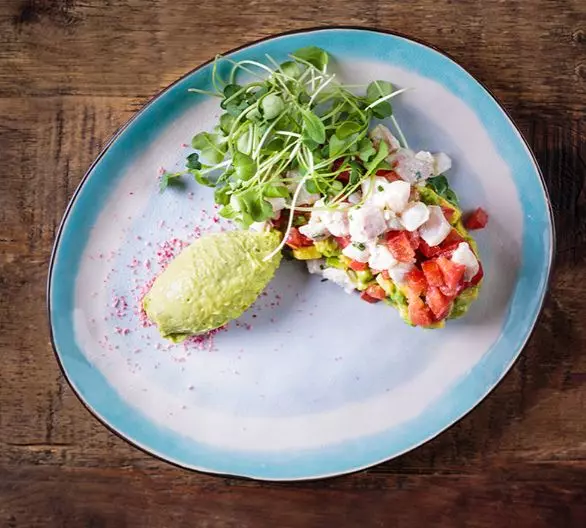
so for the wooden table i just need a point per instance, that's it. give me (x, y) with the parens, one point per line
(71, 72)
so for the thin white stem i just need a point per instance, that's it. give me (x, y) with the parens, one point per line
(320, 88)
(386, 98)
(400, 132)
(290, 222)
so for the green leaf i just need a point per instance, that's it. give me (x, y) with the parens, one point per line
(170, 179)
(309, 143)
(244, 166)
(347, 128)
(266, 211)
(355, 172)
(452, 197)
(274, 145)
(210, 146)
(221, 195)
(338, 146)
(313, 128)
(303, 98)
(228, 212)
(378, 89)
(201, 179)
(260, 92)
(276, 191)
(440, 185)
(226, 122)
(375, 91)
(243, 143)
(272, 106)
(314, 55)
(366, 149)
(193, 161)
(231, 90)
(311, 186)
(254, 114)
(252, 204)
(291, 69)
(383, 152)
(335, 187)
(235, 109)
(382, 110)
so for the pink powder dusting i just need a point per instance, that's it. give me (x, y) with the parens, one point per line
(165, 252)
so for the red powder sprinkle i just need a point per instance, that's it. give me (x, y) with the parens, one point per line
(184, 145)
(161, 171)
(203, 341)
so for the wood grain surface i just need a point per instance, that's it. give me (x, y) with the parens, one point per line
(71, 72)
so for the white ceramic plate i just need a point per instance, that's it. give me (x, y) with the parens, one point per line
(310, 382)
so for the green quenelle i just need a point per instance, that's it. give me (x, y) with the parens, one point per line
(211, 282)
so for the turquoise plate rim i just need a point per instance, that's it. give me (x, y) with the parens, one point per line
(275, 467)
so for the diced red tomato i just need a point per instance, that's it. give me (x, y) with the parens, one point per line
(390, 175)
(438, 303)
(344, 176)
(337, 164)
(448, 213)
(385, 274)
(296, 240)
(477, 219)
(419, 313)
(428, 251)
(368, 298)
(453, 274)
(451, 243)
(414, 238)
(358, 266)
(342, 241)
(452, 240)
(478, 277)
(432, 273)
(374, 290)
(445, 248)
(400, 246)
(416, 283)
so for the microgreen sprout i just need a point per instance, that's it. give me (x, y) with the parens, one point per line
(292, 118)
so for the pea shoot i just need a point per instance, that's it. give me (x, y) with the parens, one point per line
(293, 126)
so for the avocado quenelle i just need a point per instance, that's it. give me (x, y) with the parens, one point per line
(211, 282)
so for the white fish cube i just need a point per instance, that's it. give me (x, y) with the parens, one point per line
(314, 229)
(412, 167)
(414, 216)
(382, 133)
(356, 251)
(381, 258)
(437, 228)
(442, 163)
(393, 221)
(465, 256)
(397, 195)
(340, 277)
(336, 222)
(316, 266)
(398, 272)
(366, 223)
(277, 204)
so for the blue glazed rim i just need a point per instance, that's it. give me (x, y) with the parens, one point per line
(348, 456)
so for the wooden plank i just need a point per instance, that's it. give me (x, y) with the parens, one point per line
(530, 53)
(536, 496)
